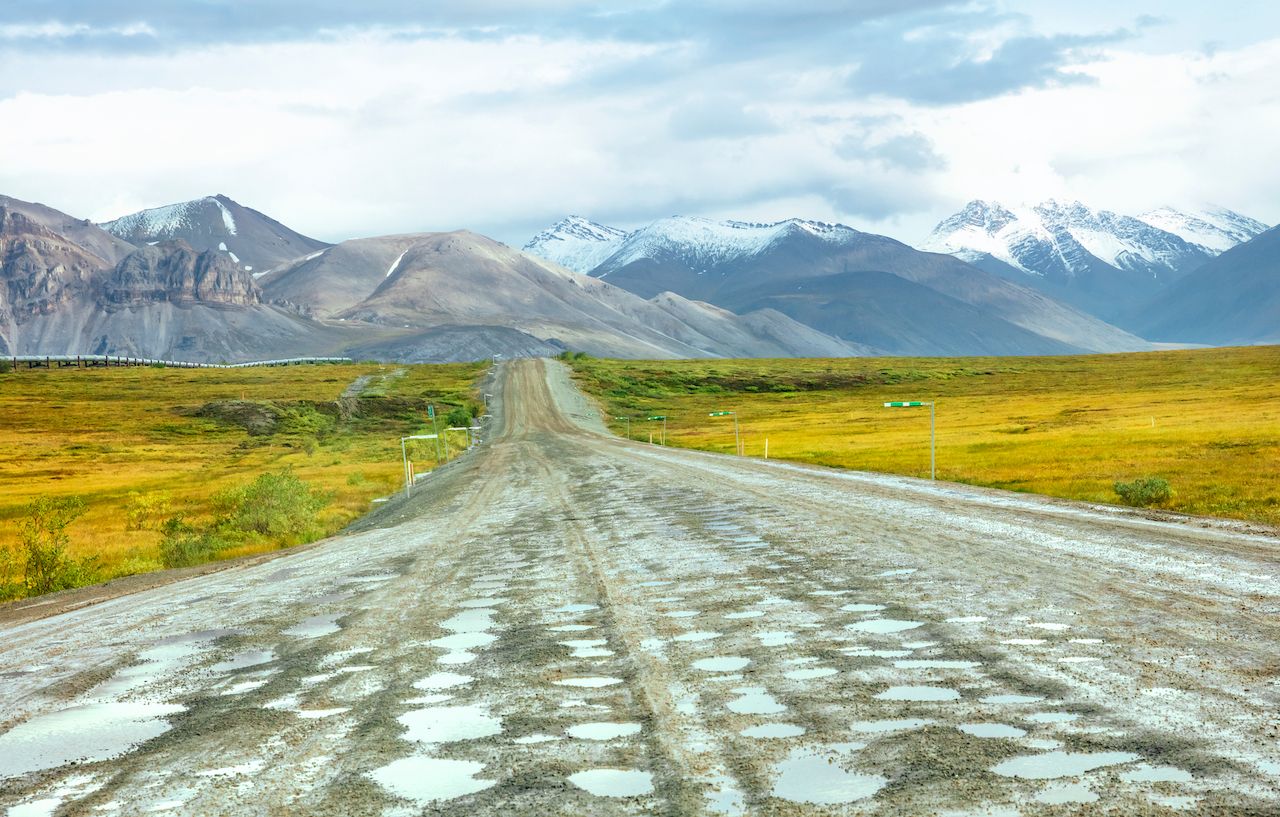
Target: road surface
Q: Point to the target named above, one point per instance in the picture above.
(567, 623)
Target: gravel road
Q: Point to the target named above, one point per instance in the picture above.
(565, 623)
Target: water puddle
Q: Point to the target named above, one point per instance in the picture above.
(991, 730)
(313, 714)
(475, 620)
(777, 638)
(589, 682)
(1053, 765)
(682, 614)
(809, 673)
(572, 628)
(1061, 793)
(721, 663)
(1023, 642)
(745, 614)
(967, 620)
(656, 583)
(536, 737)
(1052, 717)
(1156, 774)
(808, 776)
(934, 663)
(867, 652)
(754, 701)
(248, 658)
(575, 608)
(453, 659)
(463, 641)
(1049, 625)
(773, 730)
(923, 693)
(699, 635)
(446, 724)
(862, 608)
(472, 604)
(603, 730)
(588, 648)
(315, 626)
(905, 571)
(89, 733)
(1085, 641)
(900, 725)
(251, 767)
(1012, 699)
(427, 700)
(883, 625)
(613, 782)
(443, 680)
(430, 780)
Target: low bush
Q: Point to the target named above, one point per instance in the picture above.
(184, 545)
(146, 511)
(459, 416)
(1145, 491)
(277, 505)
(43, 541)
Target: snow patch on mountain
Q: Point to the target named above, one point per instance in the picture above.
(576, 243)
(1216, 229)
(395, 264)
(167, 221)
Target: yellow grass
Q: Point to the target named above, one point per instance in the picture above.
(104, 434)
(1208, 421)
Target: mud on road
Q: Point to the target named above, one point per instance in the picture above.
(567, 623)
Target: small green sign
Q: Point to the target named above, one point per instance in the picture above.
(720, 414)
(658, 417)
(905, 404)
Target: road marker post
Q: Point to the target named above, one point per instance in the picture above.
(933, 447)
(737, 438)
(628, 420)
(655, 418)
(408, 467)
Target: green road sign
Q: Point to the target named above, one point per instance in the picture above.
(720, 414)
(906, 404)
(431, 411)
(658, 417)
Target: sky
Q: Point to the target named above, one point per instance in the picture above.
(346, 119)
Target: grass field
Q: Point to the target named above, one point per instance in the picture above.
(1207, 421)
(165, 442)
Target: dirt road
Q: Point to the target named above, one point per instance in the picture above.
(567, 623)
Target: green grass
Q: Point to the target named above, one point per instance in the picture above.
(1207, 421)
(179, 438)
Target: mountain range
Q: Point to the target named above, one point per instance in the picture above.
(1100, 261)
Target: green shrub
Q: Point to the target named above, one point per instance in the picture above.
(1145, 491)
(184, 545)
(145, 511)
(43, 539)
(459, 416)
(276, 505)
(6, 366)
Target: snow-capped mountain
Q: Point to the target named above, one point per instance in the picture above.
(250, 239)
(1215, 228)
(576, 243)
(1098, 260)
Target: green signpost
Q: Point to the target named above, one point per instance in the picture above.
(933, 448)
(655, 418)
(737, 438)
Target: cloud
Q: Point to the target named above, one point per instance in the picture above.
(717, 117)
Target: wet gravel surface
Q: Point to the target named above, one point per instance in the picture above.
(565, 623)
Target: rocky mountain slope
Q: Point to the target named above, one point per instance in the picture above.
(1233, 299)
(832, 278)
(248, 238)
(576, 243)
(1100, 261)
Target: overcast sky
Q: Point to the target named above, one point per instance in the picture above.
(347, 119)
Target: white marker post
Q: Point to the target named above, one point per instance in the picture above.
(655, 418)
(404, 456)
(933, 459)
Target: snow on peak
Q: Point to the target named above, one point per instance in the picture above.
(169, 220)
(1066, 238)
(703, 243)
(576, 243)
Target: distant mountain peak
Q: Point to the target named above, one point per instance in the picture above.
(168, 221)
(576, 243)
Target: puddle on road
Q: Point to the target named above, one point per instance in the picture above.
(424, 700)
(589, 682)
(443, 680)
(613, 782)
(682, 613)
(809, 776)
(992, 730)
(774, 730)
(1049, 625)
(89, 733)
(446, 724)
(696, 636)
(967, 620)
(776, 638)
(588, 648)
(313, 714)
(883, 626)
(754, 701)
(918, 693)
(1063, 793)
(862, 608)
(453, 659)
(721, 663)
(248, 658)
(475, 620)
(572, 628)
(575, 608)
(1023, 642)
(315, 626)
(899, 725)
(655, 583)
(867, 652)
(430, 780)
(536, 737)
(471, 604)
(905, 571)
(809, 673)
(1052, 717)
(1156, 774)
(1085, 641)
(603, 730)
(1012, 699)
(463, 641)
(934, 663)
(1053, 765)
(744, 614)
